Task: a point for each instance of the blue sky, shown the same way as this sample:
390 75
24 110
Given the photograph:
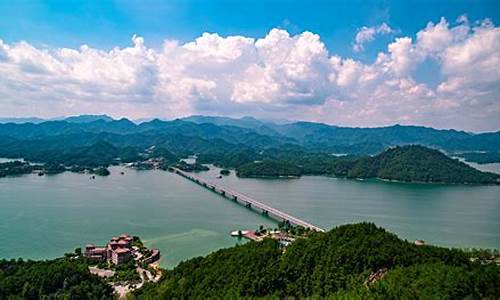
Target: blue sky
324 91
106 24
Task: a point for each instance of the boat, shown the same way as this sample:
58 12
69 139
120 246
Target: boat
239 232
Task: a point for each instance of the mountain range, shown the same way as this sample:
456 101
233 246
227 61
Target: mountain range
257 134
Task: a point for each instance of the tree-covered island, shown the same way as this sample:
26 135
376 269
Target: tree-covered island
407 163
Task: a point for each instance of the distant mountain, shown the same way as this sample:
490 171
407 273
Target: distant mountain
71 119
368 140
87 118
230 142
245 122
33 120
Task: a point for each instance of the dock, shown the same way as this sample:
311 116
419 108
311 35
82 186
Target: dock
248 201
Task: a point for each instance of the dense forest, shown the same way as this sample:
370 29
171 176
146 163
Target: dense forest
418 164
481 157
252 147
64 278
408 163
268 168
13 168
357 261
103 139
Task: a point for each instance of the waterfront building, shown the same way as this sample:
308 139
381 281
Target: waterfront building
120 255
155 255
117 250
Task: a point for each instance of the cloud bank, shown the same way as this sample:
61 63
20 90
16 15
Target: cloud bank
275 76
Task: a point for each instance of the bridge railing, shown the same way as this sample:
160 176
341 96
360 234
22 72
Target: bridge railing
248 199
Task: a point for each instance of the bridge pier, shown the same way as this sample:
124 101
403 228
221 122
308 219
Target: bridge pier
284 219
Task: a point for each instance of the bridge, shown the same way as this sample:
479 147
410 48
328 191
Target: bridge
248 201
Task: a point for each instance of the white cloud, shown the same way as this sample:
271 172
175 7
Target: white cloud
278 75
368 34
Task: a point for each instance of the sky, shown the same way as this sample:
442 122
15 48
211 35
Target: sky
348 63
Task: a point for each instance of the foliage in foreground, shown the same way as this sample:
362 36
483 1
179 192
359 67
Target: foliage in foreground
334 265
64 278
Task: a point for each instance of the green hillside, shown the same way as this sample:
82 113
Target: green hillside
268 168
335 264
407 163
64 278
418 164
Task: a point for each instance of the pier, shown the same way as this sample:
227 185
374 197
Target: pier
248 201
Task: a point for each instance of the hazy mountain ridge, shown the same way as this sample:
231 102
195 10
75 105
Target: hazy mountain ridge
258 134
70 119
303 143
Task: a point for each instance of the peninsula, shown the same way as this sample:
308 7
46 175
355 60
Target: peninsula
412 163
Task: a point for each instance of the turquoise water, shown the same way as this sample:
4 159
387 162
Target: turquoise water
448 215
44 217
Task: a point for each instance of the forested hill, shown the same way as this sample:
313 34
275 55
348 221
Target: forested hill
336 264
95 141
357 261
411 163
63 278
418 164
269 168
259 134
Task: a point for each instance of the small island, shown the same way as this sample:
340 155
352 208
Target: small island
13 168
18 167
225 172
102 171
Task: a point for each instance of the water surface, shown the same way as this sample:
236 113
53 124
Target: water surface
44 217
448 215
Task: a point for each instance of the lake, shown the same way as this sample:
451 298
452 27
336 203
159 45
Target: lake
44 217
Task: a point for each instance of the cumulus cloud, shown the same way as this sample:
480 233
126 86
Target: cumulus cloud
277 75
368 34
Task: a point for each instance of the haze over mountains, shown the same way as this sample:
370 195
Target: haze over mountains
254 133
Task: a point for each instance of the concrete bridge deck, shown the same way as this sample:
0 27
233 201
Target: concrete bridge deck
248 201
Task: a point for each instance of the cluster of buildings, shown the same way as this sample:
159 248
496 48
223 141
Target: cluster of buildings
283 238
118 251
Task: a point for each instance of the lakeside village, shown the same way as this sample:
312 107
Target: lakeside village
124 262
152 158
